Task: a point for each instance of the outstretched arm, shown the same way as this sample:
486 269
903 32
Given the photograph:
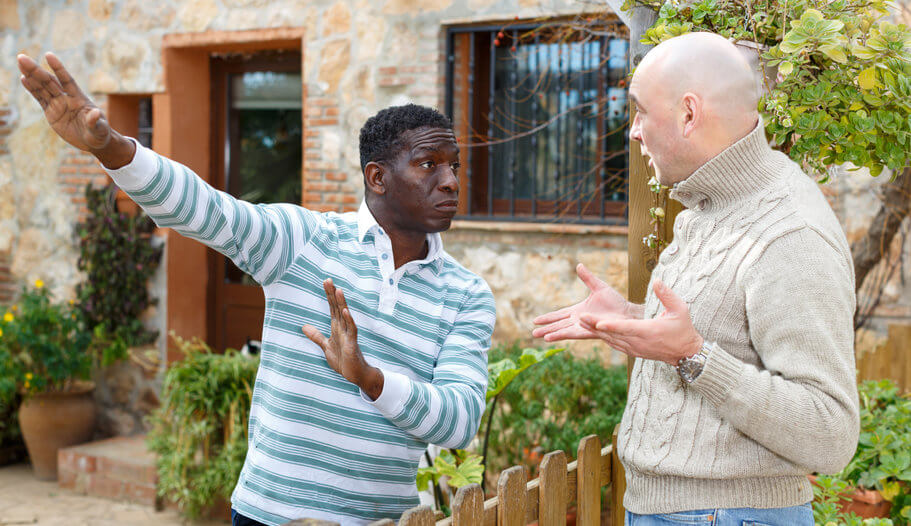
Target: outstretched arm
260 239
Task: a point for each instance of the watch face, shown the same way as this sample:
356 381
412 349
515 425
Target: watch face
690 368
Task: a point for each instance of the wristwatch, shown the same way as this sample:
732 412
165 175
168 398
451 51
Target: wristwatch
690 368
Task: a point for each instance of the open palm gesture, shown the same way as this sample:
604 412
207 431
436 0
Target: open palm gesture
71 114
341 349
603 302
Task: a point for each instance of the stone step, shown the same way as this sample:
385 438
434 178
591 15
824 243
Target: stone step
119 468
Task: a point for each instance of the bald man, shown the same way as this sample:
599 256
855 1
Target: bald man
743 380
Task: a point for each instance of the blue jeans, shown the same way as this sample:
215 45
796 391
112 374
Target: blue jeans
793 516
241 520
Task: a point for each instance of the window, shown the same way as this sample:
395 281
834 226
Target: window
541 114
144 131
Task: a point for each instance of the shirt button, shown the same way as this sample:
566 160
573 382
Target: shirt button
385 256
671 250
390 281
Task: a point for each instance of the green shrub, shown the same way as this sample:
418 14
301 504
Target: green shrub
883 457
200 431
552 405
43 346
118 257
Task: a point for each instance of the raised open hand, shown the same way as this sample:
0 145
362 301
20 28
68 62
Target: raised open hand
71 114
603 301
341 349
668 337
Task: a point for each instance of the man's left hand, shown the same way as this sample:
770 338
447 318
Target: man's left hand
668 338
341 349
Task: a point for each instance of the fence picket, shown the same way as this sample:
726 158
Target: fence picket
588 472
552 490
420 516
511 496
468 506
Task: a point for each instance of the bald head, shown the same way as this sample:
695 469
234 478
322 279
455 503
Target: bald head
710 66
700 95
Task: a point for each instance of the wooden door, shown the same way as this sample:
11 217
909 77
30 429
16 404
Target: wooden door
256 156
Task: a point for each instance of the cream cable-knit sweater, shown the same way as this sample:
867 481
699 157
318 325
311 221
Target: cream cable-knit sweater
764 265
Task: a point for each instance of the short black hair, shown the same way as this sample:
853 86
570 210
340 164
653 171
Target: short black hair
381 134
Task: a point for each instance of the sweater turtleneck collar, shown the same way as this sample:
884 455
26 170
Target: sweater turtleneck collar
743 169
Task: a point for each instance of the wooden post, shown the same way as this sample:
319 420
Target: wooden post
588 484
420 516
552 490
468 506
511 497
618 484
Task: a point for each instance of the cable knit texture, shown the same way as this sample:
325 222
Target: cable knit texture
764 265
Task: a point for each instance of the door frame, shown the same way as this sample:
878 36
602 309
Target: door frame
182 116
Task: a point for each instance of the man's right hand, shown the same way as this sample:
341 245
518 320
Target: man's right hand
71 114
603 302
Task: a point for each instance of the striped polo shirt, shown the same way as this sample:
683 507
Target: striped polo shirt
318 447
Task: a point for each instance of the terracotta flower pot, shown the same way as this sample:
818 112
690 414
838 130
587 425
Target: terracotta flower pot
50 421
866 503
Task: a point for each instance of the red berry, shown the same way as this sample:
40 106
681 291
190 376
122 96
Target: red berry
496 42
513 49
613 98
517 17
500 34
621 83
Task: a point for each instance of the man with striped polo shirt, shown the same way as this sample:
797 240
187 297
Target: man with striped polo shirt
352 385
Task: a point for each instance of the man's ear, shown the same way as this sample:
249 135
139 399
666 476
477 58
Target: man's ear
374 178
692 113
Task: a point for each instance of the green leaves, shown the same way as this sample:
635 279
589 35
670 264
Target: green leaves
462 468
883 457
118 258
199 433
501 373
43 345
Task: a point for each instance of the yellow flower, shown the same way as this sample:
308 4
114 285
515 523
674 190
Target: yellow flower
28 376
72 302
8 317
15 308
39 284
1 332
26 384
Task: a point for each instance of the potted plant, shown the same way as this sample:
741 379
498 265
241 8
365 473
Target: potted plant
199 433
883 458
44 350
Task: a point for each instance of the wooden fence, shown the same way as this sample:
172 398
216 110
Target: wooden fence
891 361
544 500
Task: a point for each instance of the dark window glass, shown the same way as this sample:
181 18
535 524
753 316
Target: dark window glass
144 135
544 112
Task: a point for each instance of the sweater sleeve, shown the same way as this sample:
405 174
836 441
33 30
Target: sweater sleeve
801 402
260 239
447 411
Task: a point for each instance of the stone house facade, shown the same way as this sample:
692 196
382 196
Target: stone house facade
163 69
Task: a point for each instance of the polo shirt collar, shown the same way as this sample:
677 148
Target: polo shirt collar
366 223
